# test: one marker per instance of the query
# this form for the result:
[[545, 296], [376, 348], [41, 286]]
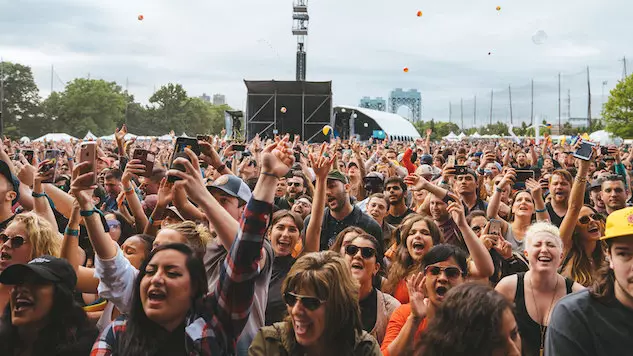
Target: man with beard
[[302, 206], [521, 161], [340, 213], [373, 183], [559, 188], [377, 209], [113, 188], [598, 321], [466, 186], [596, 196], [613, 193], [296, 187], [395, 191]]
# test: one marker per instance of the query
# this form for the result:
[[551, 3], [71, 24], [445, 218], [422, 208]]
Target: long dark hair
[[581, 265], [67, 324], [143, 336], [603, 288], [467, 323]]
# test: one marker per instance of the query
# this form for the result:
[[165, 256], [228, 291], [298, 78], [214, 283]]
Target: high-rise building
[[374, 104], [219, 99], [204, 97]]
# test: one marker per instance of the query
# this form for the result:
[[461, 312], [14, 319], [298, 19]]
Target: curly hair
[[403, 264], [328, 277], [197, 235], [468, 322], [44, 239]]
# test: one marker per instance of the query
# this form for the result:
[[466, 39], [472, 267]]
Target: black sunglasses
[[476, 228], [16, 241], [585, 219], [294, 184], [365, 252], [449, 272], [310, 303]]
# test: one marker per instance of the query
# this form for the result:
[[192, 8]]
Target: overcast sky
[[211, 46]]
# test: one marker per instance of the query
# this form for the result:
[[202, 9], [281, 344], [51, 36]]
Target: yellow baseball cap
[[619, 223]]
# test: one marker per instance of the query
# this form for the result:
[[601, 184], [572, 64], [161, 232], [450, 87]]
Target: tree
[[20, 98], [440, 129], [90, 105], [618, 111]]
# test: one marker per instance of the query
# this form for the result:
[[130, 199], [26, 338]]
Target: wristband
[[269, 174], [71, 232], [127, 190], [499, 190], [541, 210], [154, 223], [39, 195], [71, 159], [86, 213]]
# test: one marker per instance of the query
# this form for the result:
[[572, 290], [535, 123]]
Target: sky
[[456, 50]]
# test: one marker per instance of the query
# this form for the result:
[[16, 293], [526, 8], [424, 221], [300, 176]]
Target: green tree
[[21, 99], [440, 129], [618, 111], [90, 105]]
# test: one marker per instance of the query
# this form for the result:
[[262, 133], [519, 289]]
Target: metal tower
[[300, 19]]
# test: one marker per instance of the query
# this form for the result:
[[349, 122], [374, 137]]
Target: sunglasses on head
[[365, 252], [585, 219], [310, 303], [450, 272], [16, 241]]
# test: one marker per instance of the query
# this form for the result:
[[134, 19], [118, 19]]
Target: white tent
[[475, 135], [451, 137], [90, 136], [184, 135], [55, 137], [128, 136], [461, 136], [165, 137], [604, 138], [25, 140]]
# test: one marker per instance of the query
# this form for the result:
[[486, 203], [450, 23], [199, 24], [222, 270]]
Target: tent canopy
[[55, 137], [90, 136], [394, 125], [475, 135]]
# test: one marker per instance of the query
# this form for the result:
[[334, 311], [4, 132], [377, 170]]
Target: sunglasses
[[294, 184], [310, 303], [585, 219], [365, 252], [476, 229], [449, 272], [16, 241]]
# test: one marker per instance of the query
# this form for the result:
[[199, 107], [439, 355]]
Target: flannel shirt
[[217, 321]]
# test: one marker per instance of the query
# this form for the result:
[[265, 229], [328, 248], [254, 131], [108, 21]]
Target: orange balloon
[[140, 17], [419, 13], [406, 69], [498, 8]]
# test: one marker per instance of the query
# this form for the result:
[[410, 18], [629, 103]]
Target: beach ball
[[419, 13], [283, 110], [406, 69]]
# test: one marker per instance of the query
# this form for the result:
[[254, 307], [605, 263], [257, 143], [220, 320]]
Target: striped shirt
[[215, 323]]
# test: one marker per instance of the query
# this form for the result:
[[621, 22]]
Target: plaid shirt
[[218, 320]]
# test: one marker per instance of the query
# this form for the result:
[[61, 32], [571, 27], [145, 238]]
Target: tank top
[[529, 329]]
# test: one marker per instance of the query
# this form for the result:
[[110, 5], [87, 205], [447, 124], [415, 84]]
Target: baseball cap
[[425, 170], [233, 186], [609, 158], [48, 268], [174, 210], [352, 163], [426, 159], [13, 180], [596, 183], [337, 175], [375, 175], [619, 223]]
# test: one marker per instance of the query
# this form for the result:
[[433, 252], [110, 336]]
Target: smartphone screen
[[147, 159], [179, 149], [450, 161], [495, 227], [88, 153], [460, 170], [239, 148], [29, 155], [585, 151], [52, 156]]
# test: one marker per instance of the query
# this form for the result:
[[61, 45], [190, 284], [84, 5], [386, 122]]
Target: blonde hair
[[41, 235], [197, 236], [543, 226]]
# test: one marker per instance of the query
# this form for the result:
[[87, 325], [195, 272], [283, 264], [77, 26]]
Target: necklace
[[538, 315]]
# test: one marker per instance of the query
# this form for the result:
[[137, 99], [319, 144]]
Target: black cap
[[48, 268], [13, 180]]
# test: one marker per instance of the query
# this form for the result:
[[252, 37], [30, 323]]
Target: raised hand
[[509, 178], [417, 295], [534, 187], [415, 182], [456, 209], [82, 186], [191, 178], [165, 193], [133, 168], [503, 247], [209, 155], [278, 158], [321, 164], [119, 134]]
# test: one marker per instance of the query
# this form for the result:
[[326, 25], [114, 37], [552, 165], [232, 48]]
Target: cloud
[[211, 47]]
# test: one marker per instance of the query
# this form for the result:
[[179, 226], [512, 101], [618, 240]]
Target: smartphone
[[522, 176], [495, 227], [52, 156], [204, 138], [88, 153], [239, 148], [29, 155], [461, 170], [179, 151], [297, 156], [450, 161], [604, 151], [147, 159], [585, 151]]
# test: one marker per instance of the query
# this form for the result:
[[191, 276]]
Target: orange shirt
[[401, 293], [396, 322]]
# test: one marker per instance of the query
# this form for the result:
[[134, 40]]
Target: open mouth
[[22, 303], [544, 259], [5, 256], [441, 291], [330, 200], [283, 243], [156, 295], [301, 327], [593, 229], [357, 265], [418, 246]]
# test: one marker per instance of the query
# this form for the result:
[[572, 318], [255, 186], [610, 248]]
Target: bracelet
[[39, 195], [541, 210], [498, 190], [269, 174], [71, 159], [127, 190], [86, 213], [153, 222], [221, 168], [71, 232], [581, 179]]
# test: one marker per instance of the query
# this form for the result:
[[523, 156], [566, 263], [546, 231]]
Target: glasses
[[585, 219], [449, 272], [310, 303], [16, 241], [294, 184], [365, 252], [113, 224]]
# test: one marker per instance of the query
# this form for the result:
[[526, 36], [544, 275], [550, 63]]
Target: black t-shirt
[[396, 220], [332, 227], [276, 307], [369, 310], [4, 224], [553, 217], [583, 326]]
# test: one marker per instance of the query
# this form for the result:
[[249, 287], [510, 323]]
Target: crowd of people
[[282, 247]]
